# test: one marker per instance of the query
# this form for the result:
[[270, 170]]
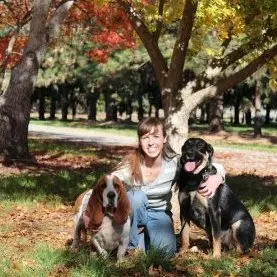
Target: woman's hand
[[209, 187]]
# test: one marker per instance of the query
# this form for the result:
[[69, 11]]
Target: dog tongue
[[190, 166]]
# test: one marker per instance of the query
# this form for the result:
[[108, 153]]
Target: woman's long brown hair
[[136, 157]]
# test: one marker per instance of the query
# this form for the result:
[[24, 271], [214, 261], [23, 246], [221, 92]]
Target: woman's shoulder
[[172, 160]]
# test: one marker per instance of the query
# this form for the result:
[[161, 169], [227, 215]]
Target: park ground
[[26, 224]]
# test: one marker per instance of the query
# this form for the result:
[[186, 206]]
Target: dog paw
[[74, 248], [216, 256], [194, 249], [104, 253]]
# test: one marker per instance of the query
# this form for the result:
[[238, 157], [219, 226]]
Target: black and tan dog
[[223, 216]]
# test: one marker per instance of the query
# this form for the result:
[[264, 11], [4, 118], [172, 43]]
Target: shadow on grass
[[63, 186], [255, 192]]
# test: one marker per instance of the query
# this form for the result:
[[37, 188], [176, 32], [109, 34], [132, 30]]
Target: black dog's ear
[[210, 150]]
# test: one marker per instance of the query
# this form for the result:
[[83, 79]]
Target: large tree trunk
[[176, 122], [15, 106], [15, 102]]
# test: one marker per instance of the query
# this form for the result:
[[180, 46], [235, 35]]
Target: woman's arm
[[209, 187]]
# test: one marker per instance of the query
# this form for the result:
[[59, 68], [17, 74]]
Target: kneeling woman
[[149, 173]]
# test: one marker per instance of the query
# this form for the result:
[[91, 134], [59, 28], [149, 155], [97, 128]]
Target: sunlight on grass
[[6, 229], [44, 258], [250, 147], [60, 147], [5, 262], [119, 129]]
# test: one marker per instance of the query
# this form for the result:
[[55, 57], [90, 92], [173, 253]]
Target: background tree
[[46, 19], [229, 21], [15, 102]]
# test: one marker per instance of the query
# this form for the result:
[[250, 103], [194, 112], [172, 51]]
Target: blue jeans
[[158, 226]]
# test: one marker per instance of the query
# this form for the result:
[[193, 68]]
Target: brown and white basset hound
[[103, 212]]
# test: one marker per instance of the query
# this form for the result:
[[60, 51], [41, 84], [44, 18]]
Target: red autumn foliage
[[109, 28]]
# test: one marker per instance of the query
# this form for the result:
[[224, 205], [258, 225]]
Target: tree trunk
[[41, 103], [237, 110], [140, 103], [92, 98], [53, 101], [202, 113], [64, 100], [176, 123], [267, 116], [15, 106], [192, 117], [248, 117], [216, 112], [110, 107], [258, 115], [15, 102], [177, 130]]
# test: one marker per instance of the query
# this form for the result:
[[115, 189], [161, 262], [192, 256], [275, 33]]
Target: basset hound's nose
[[111, 195]]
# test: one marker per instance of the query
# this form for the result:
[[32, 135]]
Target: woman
[[149, 173]]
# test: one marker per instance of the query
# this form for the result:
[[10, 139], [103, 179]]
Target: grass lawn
[[36, 207]]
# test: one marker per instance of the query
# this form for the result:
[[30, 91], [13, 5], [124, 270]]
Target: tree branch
[[159, 24], [157, 59], [175, 73], [226, 83], [58, 18], [244, 49]]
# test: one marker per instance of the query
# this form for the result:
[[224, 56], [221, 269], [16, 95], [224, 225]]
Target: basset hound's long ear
[[123, 206], [93, 215]]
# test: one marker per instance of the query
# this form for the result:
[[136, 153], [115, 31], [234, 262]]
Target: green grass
[[45, 260], [249, 146], [264, 264], [269, 130]]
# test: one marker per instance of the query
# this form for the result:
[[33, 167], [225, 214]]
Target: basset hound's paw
[[104, 253]]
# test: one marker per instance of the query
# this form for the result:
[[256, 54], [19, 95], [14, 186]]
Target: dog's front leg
[[122, 248], [184, 201], [99, 249], [215, 218], [77, 234], [185, 236]]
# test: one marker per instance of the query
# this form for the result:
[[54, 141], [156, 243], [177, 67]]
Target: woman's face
[[152, 143]]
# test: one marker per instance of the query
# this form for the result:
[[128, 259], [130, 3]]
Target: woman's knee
[[161, 233]]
